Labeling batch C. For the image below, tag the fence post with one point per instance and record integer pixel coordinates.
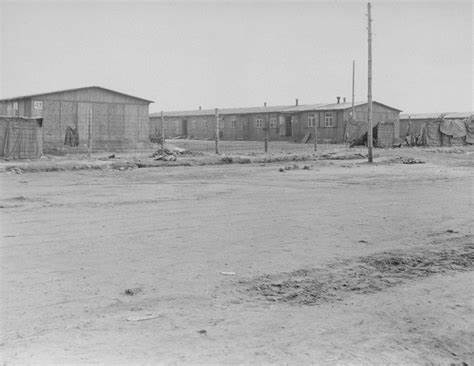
(162, 132)
(89, 133)
(266, 128)
(315, 124)
(217, 130)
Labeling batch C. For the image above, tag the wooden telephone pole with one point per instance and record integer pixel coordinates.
(162, 132)
(369, 87)
(217, 130)
(353, 93)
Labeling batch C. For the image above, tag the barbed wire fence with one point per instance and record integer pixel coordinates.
(226, 145)
(248, 147)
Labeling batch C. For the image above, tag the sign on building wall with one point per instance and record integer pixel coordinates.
(38, 105)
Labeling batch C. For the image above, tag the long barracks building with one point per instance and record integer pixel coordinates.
(290, 122)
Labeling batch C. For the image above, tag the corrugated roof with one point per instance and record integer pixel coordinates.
(322, 107)
(196, 112)
(460, 115)
(450, 115)
(74, 89)
(222, 111)
(304, 107)
(274, 109)
(248, 110)
(420, 115)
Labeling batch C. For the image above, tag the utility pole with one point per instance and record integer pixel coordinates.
(369, 88)
(89, 133)
(353, 93)
(217, 130)
(266, 128)
(162, 132)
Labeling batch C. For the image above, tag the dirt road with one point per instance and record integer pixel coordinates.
(193, 245)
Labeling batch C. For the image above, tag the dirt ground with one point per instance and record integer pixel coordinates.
(342, 263)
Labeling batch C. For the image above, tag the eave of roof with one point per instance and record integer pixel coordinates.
(460, 115)
(421, 115)
(74, 89)
(269, 109)
(222, 111)
(449, 115)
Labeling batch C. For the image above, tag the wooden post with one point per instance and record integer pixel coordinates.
(267, 127)
(369, 88)
(353, 93)
(217, 131)
(316, 123)
(162, 131)
(89, 133)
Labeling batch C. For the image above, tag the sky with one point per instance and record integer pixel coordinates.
(233, 54)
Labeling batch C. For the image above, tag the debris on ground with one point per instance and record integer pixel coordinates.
(228, 273)
(15, 170)
(133, 291)
(342, 156)
(202, 331)
(164, 154)
(294, 167)
(412, 161)
(227, 159)
(169, 153)
(363, 241)
(17, 198)
(142, 318)
(108, 157)
(363, 275)
(291, 167)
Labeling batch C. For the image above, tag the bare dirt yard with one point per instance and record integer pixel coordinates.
(327, 261)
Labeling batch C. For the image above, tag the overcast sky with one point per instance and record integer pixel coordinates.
(186, 54)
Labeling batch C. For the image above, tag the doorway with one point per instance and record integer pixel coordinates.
(184, 127)
(288, 129)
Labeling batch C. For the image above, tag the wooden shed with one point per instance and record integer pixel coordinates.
(21, 138)
(108, 119)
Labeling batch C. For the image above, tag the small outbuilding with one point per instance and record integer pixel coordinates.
(437, 129)
(21, 138)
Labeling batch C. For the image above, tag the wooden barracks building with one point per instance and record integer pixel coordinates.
(293, 123)
(117, 120)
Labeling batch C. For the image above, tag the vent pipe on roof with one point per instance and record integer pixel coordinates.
(296, 101)
(344, 99)
(265, 104)
(338, 100)
(200, 107)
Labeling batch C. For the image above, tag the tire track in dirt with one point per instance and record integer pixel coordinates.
(362, 275)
